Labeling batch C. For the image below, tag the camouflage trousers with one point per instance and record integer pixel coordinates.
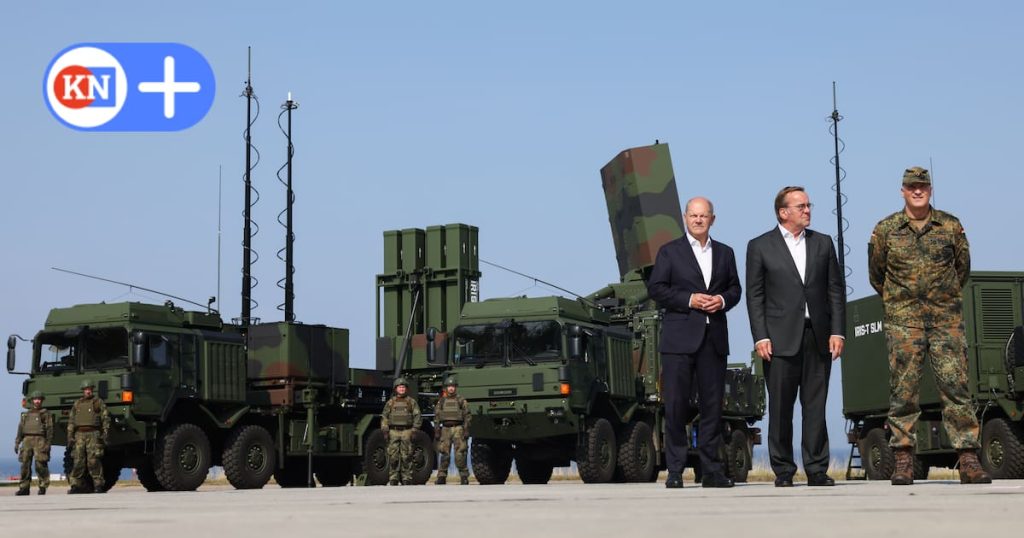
(452, 435)
(34, 447)
(946, 349)
(87, 452)
(400, 455)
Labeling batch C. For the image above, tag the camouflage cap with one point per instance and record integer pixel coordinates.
(37, 394)
(87, 384)
(450, 380)
(401, 381)
(916, 175)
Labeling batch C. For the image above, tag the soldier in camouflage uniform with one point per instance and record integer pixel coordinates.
(400, 417)
(919, 261)
(35, 433)
(452, 415)
(88, 425)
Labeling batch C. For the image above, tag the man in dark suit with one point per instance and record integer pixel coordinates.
(796, 299)
(695, 281)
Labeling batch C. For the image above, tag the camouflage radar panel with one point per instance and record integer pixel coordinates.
(643, 205)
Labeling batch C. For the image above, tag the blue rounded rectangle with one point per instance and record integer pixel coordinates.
(129, 86)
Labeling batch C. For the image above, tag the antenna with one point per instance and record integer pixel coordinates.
(841, 223)
(249, 256)
(137, 287)
(536, 280)
(289, 267)
(931, 170)
(220, 190)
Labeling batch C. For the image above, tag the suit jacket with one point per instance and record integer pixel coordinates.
(675, 277)
(776, 297)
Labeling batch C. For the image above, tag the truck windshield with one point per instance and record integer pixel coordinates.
(92, 349)
(526, 341)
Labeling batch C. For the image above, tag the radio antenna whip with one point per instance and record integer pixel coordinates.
(841, 223)
(249, 256)
(289, 266)
(130, 286)
(536, 280)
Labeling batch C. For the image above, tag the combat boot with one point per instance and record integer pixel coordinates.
(75, 490)
(393, 482)
(971, 471)
(464, 481)
(903, 474)
(441, 480)
(42, 491)
(22, 491)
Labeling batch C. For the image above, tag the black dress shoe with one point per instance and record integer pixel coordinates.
(820, 479)
(716, 480)
(674, 480)
(783, 481)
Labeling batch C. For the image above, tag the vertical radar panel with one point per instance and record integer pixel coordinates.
(643, 205)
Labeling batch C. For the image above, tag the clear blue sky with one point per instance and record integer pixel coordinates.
(418, 113)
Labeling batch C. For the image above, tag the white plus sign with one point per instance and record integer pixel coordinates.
(169, 87)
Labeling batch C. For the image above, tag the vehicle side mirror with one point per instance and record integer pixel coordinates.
(575, 342)
(12, 341)
(138, 348)
(431, 352)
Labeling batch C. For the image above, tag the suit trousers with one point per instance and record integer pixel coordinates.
(678, 373)
(807, 374)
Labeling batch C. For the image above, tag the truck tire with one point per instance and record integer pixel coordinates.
(596, 460)
(737, 463)
(1002, 453)
(333, 472)
(294, 474)
(147, 477)
(492, 461)
(375, 459)
(636, 453)
(876, 456)
(182, 457)
(249, 457)
(111, 471)
(533, 472)
(424, 458)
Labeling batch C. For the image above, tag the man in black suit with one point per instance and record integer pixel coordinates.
(796, 299)
(695, 281)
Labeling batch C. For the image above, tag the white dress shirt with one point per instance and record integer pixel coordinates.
(703, 255)
(798, 249)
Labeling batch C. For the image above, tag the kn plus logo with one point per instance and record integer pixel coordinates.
(129, 87)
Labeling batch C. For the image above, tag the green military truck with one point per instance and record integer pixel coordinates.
(993, 304)
(187, 391)
(553, 380)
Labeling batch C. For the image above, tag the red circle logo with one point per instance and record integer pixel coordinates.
(71, 87)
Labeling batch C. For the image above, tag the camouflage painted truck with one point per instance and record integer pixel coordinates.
(552, 380)
(186, 391)
(993, 304)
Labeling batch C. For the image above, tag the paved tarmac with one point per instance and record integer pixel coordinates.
(559, 509)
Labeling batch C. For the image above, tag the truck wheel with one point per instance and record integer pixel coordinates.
(921, 468)
(737, 464)
(492, 461)
(294, 474)
(596, 461)
(636, 453)
(147, 477)
(111, 471)
(182, 457)
(333, 472)
(876, 456)
(1002, 453)
(533, 472)
(423, 457)
(375, 459)
(249, 457)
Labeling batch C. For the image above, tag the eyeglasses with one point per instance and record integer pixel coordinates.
(801, 207)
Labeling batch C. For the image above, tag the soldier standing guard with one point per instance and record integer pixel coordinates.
(88, 425)
(400, 417)
(919, 261)
(452, 415)
(35, 433)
